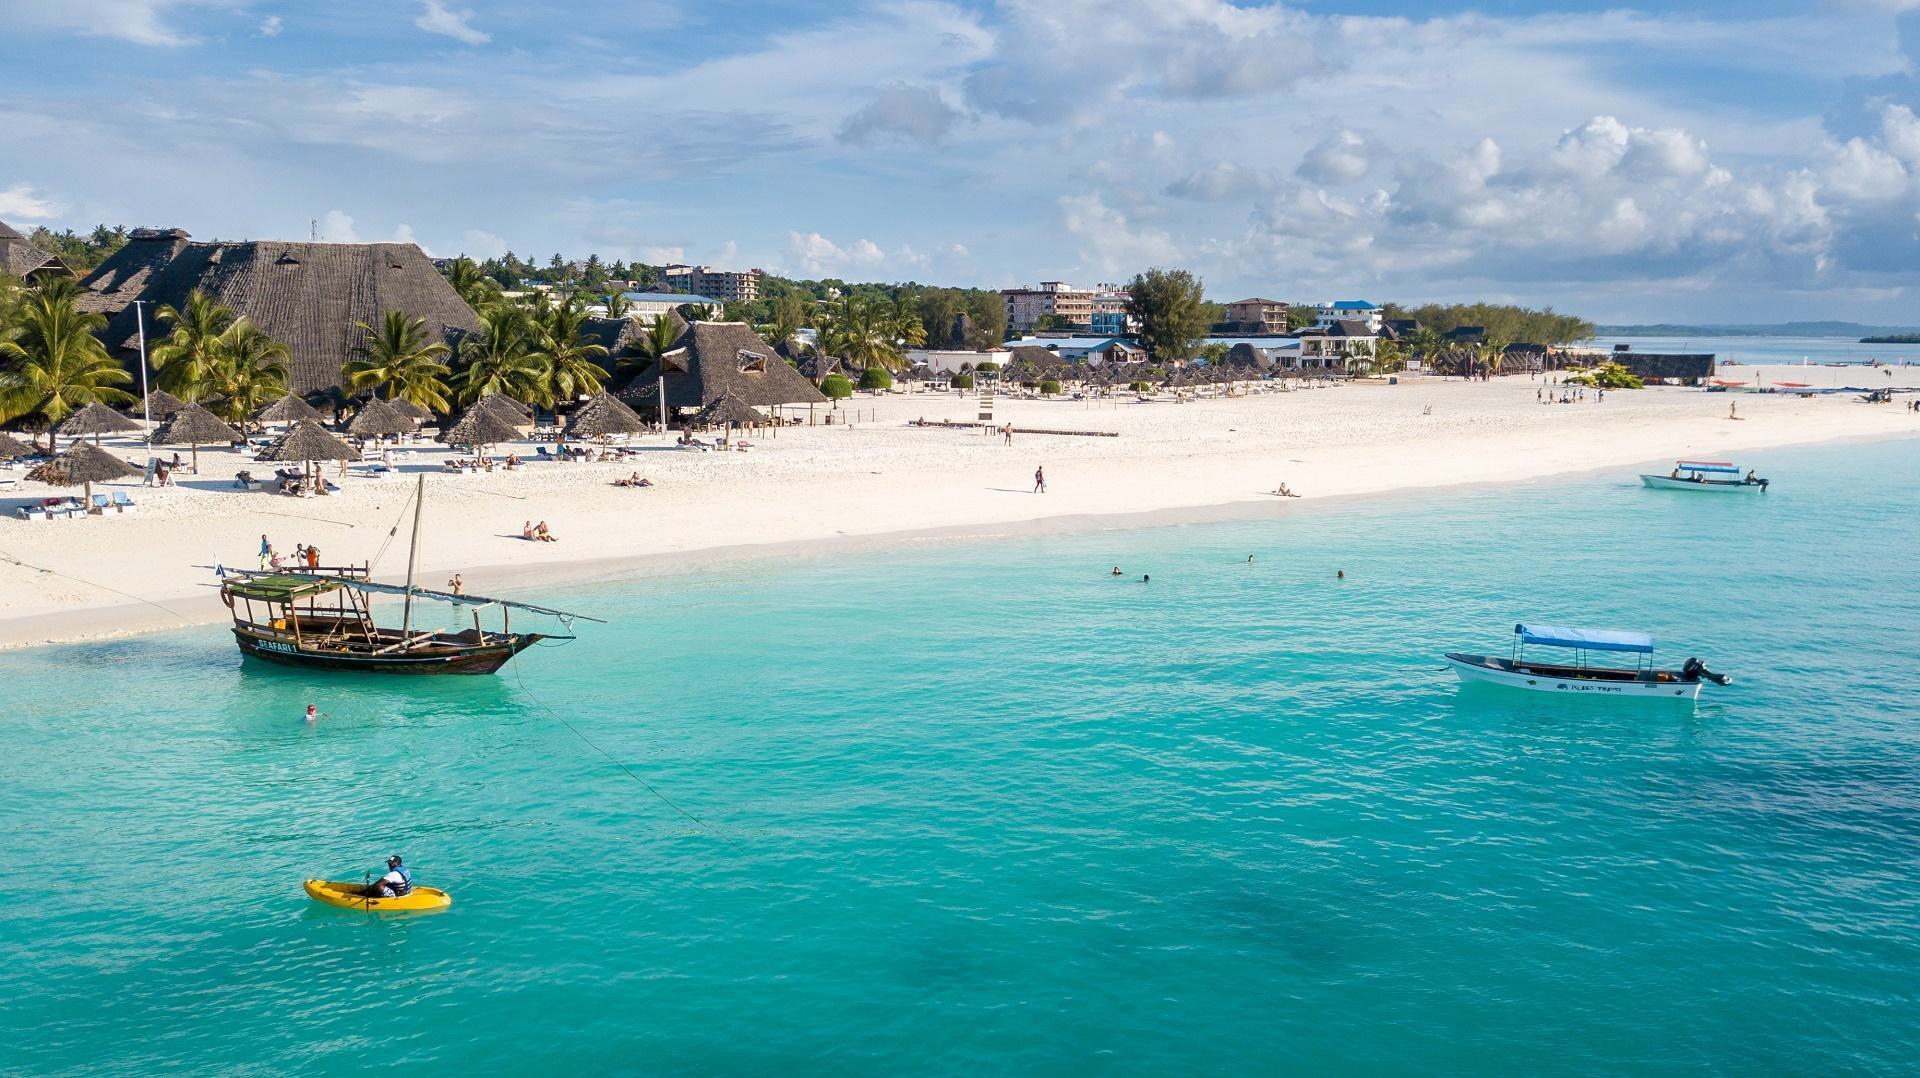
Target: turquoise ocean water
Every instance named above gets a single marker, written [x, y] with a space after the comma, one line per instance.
[979, 807]
[1752, 350]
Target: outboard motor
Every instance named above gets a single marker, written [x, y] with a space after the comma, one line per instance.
[1695, 670]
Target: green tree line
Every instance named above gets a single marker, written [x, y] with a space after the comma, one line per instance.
[1502, 321]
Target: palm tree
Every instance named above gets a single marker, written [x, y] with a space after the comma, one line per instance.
[1492, 350]
[655, 340]
[183, 359]
[562, 346]
[52, 362]
[906, 322]
[400, 357]
[862, 331]
[790, 315]
[618, 305]
[249, 370]
[1427, 343]
[499, 358]
[474, 286]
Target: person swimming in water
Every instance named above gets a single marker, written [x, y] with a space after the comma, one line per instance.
[1116, 570]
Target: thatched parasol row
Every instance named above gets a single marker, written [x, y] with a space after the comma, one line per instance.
[83, 465]
[603, 415]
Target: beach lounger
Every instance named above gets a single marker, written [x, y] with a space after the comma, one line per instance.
[32, 512]
[101, 504]
[122, 501]
[542, 450]
[245, 481]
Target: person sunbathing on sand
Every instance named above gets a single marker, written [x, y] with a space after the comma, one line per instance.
[633, 480]
[542, 535]
[526, 530]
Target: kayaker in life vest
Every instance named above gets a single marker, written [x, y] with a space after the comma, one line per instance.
[397, 882]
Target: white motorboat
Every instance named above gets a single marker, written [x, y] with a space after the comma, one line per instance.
[1698, 475]
[1580, 677]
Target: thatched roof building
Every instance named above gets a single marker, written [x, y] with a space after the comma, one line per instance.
[308, 296]
[713, 359]
[20, 258]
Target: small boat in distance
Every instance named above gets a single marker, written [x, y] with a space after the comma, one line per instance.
[1642, 680]
[323, 619]
[1694, 475]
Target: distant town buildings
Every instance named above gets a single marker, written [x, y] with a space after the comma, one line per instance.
[1348, 310]
[1028, 307]
[741, 286]
[646, 306]
[1257, 316]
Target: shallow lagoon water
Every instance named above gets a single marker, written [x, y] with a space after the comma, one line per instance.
[979, 805]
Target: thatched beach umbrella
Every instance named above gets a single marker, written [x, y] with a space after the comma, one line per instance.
[377, 418]
[481, 427]
[95, 419]
[83, 465]
[409, 409]
[502, 405]
[12, 448]
[159, 404]
[728, 409]
[195, 426]
[604, 415]
[288, 409]
[309, 442]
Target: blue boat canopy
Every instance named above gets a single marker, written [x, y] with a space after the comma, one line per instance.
[1707, 466]
[1560, 636]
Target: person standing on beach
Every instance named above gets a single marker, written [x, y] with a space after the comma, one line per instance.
[1006, 434]
[266, 550]
[1040, 480]
[313, 556]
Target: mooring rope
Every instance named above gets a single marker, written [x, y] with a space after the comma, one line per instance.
[649, 787]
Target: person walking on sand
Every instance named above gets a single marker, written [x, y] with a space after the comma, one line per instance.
[266, 550]
[1040, 480]
[1733, 410]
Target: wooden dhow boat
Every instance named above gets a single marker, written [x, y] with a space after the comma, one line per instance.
[1580, 677]
[1699, 475]
[323, 619]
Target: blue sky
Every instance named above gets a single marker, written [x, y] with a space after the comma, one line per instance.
[1751, 161]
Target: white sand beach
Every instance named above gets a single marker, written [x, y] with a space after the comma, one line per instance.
[878, 476]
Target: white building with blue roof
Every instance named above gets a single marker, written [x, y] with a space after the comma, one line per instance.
[1326, 315]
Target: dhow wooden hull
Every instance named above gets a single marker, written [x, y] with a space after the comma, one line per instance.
[1667, 482]
[484, 659]
[1491, 671]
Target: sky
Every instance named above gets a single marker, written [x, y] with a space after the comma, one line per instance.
[1702, 162]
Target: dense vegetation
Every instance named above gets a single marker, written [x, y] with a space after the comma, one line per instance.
[1507, 323]
[81, 253]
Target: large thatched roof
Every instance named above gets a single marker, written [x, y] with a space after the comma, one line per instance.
[194, 425]
[602, 415]
[308, 296]
[308, 440]
[377, 418]
[20, 258]
[713, 359]
[13, 448]
[481, 426]
[81, 463]
[95, 418]
[288, 409]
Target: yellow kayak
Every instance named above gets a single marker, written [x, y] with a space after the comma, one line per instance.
[350, 896]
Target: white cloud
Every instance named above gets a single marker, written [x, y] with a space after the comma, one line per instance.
[1225, 181]
[818, 256]
[438, 18]
[899, 111]
[1341, 157]
[1109, 243]
[663, 256]
[403, 233]
[142, 22]
[337, 227]
[482, 244]
[270, 26]
[21, 201]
